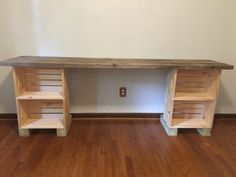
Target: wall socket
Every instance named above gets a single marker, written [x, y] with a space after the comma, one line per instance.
[123, 91]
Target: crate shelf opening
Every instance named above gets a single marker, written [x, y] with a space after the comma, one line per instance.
[189, 114]
[41, 114]
[196, 85]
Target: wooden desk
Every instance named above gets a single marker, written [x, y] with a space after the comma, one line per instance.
[42, 96]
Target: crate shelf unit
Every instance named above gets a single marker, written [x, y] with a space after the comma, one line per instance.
[190, 100]
[42, 99]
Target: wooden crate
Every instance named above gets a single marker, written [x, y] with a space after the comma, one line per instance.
[191, 99]
[42, 99]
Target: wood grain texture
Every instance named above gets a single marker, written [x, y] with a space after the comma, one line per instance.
[129, 63]
[190, 103]
[118, 148]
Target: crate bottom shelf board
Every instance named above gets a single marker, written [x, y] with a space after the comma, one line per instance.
[43, 124]
[190, 123]
[41, 96]
[179, 96]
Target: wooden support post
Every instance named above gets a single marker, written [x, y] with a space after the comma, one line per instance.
[24, 132]
[169, 131]
[204, 131]
[64, 131]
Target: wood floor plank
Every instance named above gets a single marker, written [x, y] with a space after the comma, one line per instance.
[118, 148]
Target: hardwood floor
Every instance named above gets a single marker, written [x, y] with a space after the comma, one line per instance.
[118, 148]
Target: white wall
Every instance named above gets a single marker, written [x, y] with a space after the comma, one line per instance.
[191, 29]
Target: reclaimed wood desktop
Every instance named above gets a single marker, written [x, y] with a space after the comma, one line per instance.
[42, 94]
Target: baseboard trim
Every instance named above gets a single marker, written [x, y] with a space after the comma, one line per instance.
[225, 115]
[8, 116]
[117, 115]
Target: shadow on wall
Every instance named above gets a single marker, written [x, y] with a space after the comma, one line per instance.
[7, 95]
[225, 101]
[83, 89]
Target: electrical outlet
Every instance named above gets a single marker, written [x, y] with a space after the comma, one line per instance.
[123, 91]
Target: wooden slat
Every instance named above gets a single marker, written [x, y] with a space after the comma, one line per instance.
[191, 79]
[45, 116]
[43, 123]
[48, 88]
[44, 107]
[187, 110]
[195, 73]
[45, 110]
[44, 77]
[48, 104]
[47, 71]
[189, 104]
[190, 90]
[191, 84]
[169, 96]
[196, 96]
[187, 116]
[41, 96]
[189, 123]
[44, 82]
[66, 102]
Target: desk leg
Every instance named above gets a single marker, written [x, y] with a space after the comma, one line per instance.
[169, 104]
[169, 131]
[24, 132]
[204, 131]
[64, 131]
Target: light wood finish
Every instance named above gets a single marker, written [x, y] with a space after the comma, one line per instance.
[169, 131]
[64, 131]
[49, 80]
[192, 89]
[41, 99]
[131, 63]
[191, 99]
[170, 92]
[198, 83]
[38, 95]
[40, 123]
[118, 148]
[66, 105]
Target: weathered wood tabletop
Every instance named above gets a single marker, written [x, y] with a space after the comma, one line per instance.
[129, 63]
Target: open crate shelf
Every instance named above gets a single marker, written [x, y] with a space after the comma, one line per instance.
[36, 83]
[42, 99]
[191, 98]
[41, 114]
[192, 114]
[196, 85]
